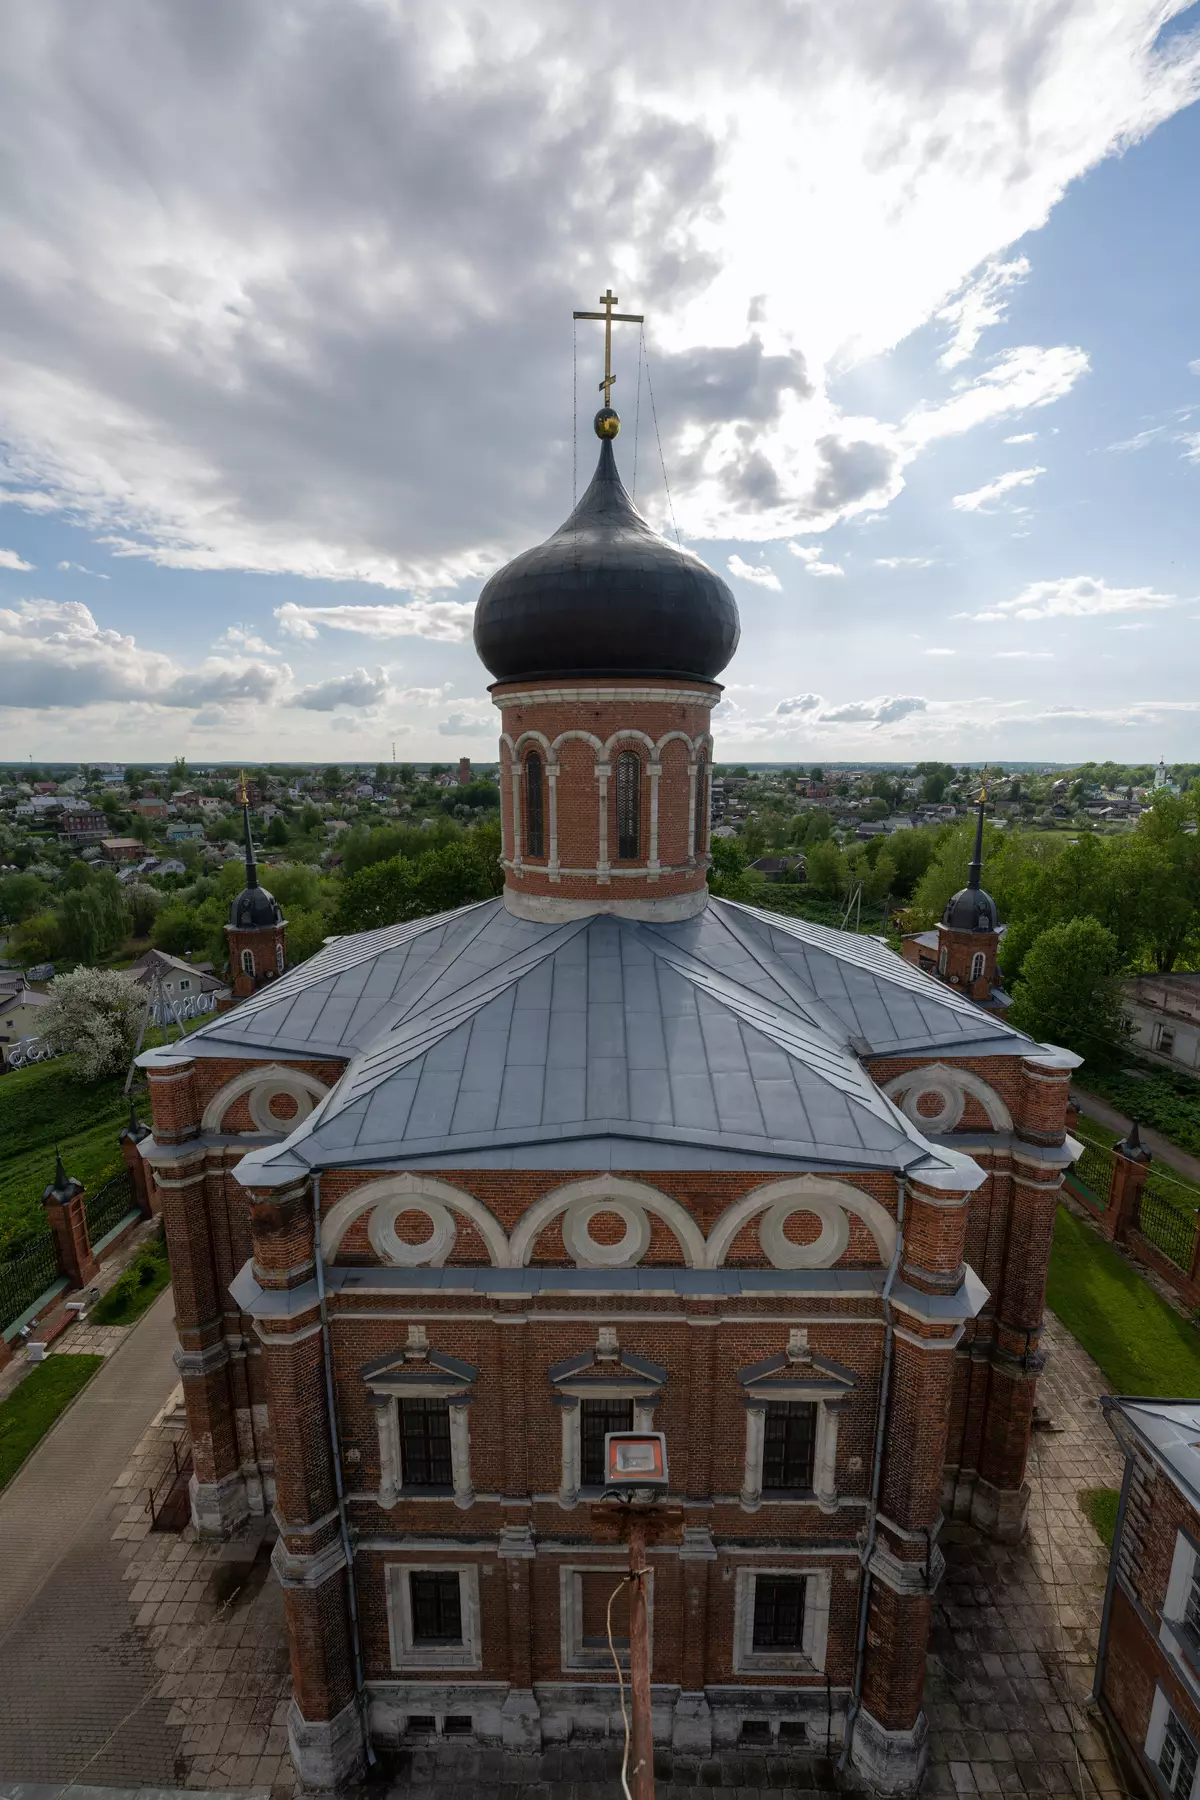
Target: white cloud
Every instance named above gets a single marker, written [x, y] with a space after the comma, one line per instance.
[359, 689]
[982, 303]
[10, 560]
[1024, 655]
[984, 499]
[905, 562]
[53, 653]
[1194, 365]
[240, 637]
[81, 570]
[810, 556]
[1073, 597]
[938, 652]
[1021, 437]
[296, 373]
[799, 704]
[447, 621]
[756, 572]
[468, 723]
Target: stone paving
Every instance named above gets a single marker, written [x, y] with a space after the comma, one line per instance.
[204, 1648]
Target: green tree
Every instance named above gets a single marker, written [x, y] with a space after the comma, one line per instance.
[310, 819]
[144, 903]
[94, 919]
[306, 934]
[37, 939]
[389, 892]
[826, 870]
[179, 928]
[332, 779]
[20, 897]
[1069, 992]
[754, 839]
[94, 1015]
[277, 831]
[141, 829]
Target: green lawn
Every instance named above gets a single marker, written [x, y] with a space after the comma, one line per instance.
[31, 1409]
[139, 1284]
[42, 1106]
[1142, 1346]
[1100, 1504]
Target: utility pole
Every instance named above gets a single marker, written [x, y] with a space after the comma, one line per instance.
[641, 1772]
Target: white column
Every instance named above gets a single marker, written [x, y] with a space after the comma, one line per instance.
[643, 1415]
[568, 1492]
[751, 1495]
[691, 837]
[825, 1457]
[552, 779]
[390, 1473]
[603, 771]
[460, 1455]
[655, 773]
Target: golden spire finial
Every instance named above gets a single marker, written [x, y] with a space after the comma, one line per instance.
[606, 422]
[242, 786]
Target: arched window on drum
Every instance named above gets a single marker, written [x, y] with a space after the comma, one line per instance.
[629, 806]
[535, 810]
[700, 823]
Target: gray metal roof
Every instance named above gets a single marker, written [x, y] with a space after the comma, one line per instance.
[734, 1039]
[1169, 1429]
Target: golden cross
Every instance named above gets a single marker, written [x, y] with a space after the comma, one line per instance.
[608, 300]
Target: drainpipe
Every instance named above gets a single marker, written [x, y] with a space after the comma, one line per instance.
[360, 1689]
[876, 1477]
[1102, 1645]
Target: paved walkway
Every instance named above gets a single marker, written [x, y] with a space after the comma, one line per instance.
[1092, 1107]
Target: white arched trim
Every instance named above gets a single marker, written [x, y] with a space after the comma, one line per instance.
[598, 1188]
[535, 737]
[407, 1192]
[814, 1193]
[629, 736]
[274, 1078]
[581, 737]
[673, 737]
[953, 1084]
[506, 743]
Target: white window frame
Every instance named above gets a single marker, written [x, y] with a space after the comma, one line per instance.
[1160, 1711]
[978, 965]
[818, 1587]
[824, 1487]
[1178, 1638]
[573, 1653]
[1163, 1035]
[392, 1486]
[185, 985]
[279, 958]
[571, 1489]
[943, 959]
[405, 1653]
[247, 962]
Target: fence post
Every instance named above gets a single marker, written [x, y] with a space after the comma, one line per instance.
[63, 1201]
[1131, 1165]
[130, 1137]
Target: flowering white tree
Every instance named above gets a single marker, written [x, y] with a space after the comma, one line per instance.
[94, 1016]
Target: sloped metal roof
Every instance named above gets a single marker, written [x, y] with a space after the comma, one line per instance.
[731, 1039]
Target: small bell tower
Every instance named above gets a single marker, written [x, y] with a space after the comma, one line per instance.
[969, 930]
[257, 929]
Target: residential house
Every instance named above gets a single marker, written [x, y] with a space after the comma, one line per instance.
[123, 849]
[180, 979]
[19, 1009]
[1164, 1011]
[150, 809]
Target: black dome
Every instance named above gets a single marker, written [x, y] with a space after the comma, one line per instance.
[971, 909]
[605, 596]
[255, 909]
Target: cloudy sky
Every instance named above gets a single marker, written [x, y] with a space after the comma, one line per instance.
[287, 363]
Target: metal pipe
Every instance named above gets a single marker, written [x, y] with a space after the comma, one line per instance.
[876, 1477]
[1102, 1644]
[360, 1688]
[641, 1775]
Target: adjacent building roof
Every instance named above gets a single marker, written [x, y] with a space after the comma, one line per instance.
[735, 1039]
[1168, 1429]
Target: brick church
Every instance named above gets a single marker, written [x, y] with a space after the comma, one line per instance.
[456, 1197]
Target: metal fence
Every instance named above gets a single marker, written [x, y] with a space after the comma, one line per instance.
[109, 1205]
[1092, 1174]
[1165, 1218]
[26, 1277]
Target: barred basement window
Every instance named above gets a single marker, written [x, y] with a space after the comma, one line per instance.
[629, 806]
[596, 1418]
[701, 809]
[789, 1444]
[436, 1608]
[425, 1443]
[779, 1612]
[534, 810]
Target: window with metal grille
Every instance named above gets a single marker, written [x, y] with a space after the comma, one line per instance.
[247, 962]
[436, 1608]
[779, 1612]
[596, 1418]
[701, 809]
[789, 1441]
[535, 831]
[425, 1443]
[977, 966]
[629, 806]
[1177, 1758]
[1191, 1609]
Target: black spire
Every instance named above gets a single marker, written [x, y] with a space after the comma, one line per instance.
[254, 907]
[971, 909]
[975, 872]
[251, 865]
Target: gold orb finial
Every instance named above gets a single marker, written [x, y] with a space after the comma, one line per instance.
[607, 423]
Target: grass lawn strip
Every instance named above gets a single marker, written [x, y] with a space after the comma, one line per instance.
[1140, 1344]
[1100, 1504]
[31, 1409]
[136, 1287]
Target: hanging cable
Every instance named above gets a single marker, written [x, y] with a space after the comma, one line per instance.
[637, 411]
[625, 1579]
[661, 457]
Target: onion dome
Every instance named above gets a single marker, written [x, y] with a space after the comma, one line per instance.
[606, 595]
[254, 909]
[972, 909]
